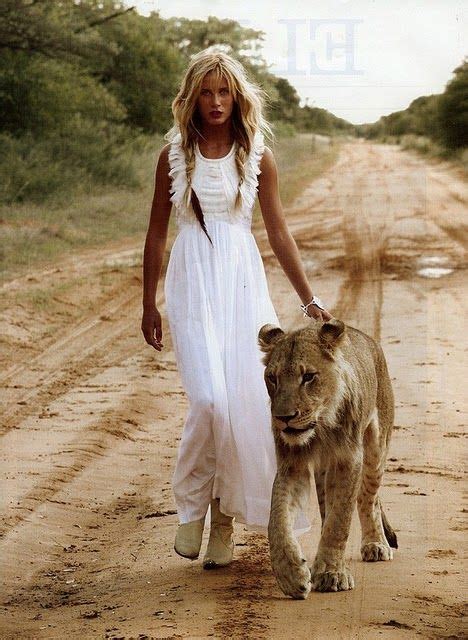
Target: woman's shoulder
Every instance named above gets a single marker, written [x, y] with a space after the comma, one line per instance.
[268, 154]
[162, 161]
[268, 162]
[164, 152]
[176, 154]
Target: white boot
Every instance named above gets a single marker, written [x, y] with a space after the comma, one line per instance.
[220, 547]
[189, 538]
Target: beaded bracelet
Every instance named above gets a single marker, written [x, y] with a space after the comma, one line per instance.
[315, 301]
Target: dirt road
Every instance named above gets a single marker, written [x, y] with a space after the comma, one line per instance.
[93, 415]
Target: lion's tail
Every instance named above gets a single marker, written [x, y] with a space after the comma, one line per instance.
[389, 533]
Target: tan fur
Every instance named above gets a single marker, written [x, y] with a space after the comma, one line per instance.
[338, 426]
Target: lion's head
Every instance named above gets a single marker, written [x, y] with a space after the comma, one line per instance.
[303, 375]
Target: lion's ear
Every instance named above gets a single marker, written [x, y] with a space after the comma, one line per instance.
[332, 332]
[268, 336]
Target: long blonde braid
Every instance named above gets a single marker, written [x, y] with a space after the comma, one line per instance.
[190, 196]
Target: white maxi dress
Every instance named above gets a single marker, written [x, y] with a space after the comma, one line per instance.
[217, 299]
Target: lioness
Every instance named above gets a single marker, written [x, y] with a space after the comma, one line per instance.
[332, 408]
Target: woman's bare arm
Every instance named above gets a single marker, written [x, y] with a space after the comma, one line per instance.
[282, 242]
[155, 245]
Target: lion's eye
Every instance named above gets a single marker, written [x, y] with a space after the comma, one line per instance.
[271, 378]
[308, 376]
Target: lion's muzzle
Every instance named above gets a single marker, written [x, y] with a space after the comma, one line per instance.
[296, 431]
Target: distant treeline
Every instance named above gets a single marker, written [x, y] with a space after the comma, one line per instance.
[85, 87]
[443, 118]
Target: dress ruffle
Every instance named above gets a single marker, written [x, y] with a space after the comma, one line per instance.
[249, 186]
[178, 173]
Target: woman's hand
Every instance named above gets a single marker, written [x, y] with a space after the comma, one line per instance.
[318, 314]
[151, 326]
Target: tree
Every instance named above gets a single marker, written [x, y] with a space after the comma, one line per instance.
[286, 106]
[191, 36]
[40, 94]
[319, 120]
[453, 110]
[48, 52]
[62, 29]
[145, 71]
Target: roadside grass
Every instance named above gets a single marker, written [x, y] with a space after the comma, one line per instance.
[301, 159]
[52, 298]
[430, 150]
[36, 235]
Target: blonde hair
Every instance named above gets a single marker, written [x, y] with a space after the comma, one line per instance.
[247, 116]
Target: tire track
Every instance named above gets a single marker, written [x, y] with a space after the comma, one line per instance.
[93, 441]
[360, 294]
[73, 358]
[76, 341]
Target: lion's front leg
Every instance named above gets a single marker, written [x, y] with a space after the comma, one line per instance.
[329, 571]
[288, 563]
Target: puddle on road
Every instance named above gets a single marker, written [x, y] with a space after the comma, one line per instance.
[434, 272]
[431, 267]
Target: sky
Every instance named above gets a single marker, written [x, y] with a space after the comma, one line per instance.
[360, 59]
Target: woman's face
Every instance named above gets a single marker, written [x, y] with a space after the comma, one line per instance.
[215, 101]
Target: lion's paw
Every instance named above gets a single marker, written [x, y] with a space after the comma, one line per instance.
[333, 580]
[376, 551]
[294, 580]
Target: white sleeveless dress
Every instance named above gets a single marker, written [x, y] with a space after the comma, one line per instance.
[217, 300]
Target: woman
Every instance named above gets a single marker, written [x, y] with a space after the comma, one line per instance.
[217, 299]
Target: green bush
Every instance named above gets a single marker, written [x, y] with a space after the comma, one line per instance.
[464, 159]
[73, 158]
[41, 95]
[453, 110]
[28, 171]
[425, 146]
[283, 129]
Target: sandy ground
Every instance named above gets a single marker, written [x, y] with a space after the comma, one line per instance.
[93, 416]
